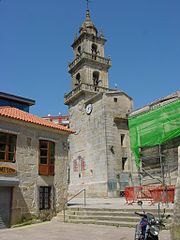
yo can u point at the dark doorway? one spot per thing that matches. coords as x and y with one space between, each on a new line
5 206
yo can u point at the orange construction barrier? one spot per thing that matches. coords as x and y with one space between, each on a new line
129 195
163 194
156 193
137 193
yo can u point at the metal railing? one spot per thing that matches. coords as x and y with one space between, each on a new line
84 197
86 87
94 57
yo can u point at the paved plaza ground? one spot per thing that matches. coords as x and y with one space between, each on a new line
69 231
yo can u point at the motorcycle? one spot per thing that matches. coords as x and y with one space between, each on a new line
149 226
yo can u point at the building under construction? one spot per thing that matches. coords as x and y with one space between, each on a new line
155 137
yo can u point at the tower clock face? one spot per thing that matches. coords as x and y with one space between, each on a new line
89 108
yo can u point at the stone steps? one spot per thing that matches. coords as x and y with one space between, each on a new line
111 217
85 210
106 223
100 213
103 218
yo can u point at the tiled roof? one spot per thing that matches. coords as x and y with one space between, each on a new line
14 113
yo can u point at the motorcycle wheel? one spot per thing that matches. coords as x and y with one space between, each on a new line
138 235
150 237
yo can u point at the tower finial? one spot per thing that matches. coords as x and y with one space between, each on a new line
88 4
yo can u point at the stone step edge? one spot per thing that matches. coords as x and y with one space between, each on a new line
104 216
96 217
100 213
118 210
110 212
110 223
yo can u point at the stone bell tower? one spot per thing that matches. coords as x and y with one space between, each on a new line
89 65
99 150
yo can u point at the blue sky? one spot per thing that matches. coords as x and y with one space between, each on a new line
143 40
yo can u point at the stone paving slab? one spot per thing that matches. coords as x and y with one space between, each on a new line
68 231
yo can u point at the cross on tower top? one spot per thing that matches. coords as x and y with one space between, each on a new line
88 1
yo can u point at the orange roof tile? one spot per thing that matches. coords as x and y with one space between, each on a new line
20 115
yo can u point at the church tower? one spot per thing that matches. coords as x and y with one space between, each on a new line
90 67
99 150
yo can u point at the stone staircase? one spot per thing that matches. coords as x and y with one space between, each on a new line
105 216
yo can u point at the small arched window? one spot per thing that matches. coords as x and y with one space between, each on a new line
94 50
78 79
96 80
79 49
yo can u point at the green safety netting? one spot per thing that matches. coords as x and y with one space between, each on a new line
154 127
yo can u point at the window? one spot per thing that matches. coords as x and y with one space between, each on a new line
46 157
78 79
96 80
94 51
122 139
79 49
7 147
124 160
68 175
44 198
115 99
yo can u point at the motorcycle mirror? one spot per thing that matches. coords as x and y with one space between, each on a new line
168 216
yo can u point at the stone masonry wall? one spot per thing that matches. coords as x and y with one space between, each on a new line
117 106
25 202
93 165
88 150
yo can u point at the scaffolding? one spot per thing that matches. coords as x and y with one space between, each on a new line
154 138
155 127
